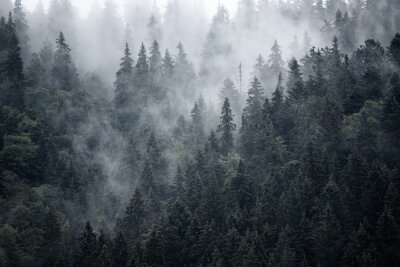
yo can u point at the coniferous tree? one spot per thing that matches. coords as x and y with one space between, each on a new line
64 72
295 85
394 49
227 127
124 81
155 63
230 91
275 62
142 69
21 29
168 65
119 251
87 246
14 92
197 125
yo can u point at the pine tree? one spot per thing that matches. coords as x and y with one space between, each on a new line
119 251
391 116
155 63
183 69
142 68
255 99
213 141
124 81
295 85
387 233
277 95
177 221
259 68
64 72
133 220
21 29
146 177
227 127
197 127
394 49
154 28
275 61
241 189
87 246
168 65
14 94
328 238
230 91
247 13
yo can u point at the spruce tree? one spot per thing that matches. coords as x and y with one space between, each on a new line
168 65
119 251
230 91
14 93
226 127
88 247
155 63
64 72
394 49
134 217
124 81
275 61
142 69
21 29
197 127
295 85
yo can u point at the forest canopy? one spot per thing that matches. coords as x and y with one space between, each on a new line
163 137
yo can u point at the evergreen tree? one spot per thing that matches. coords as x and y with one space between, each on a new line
155 63
124 81
227 127
241 189
119 251
295 85
87 246
168 65
154 28
230 91
146 177
21 29
13 94
64 72
133 220
394 49
275 61
391 116
197 125
142 69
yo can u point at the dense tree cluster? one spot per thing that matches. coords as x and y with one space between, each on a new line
304 173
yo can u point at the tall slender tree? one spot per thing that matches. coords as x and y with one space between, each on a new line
227 127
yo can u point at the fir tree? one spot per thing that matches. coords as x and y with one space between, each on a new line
168 65
64 72
87 246
295 85
227 127
155 62
124 80
275 61
21 29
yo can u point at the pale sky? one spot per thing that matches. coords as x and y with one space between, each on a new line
84 5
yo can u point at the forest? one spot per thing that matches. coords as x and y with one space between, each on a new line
268 136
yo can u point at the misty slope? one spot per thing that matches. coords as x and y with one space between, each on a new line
116 151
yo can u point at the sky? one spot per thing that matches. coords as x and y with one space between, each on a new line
84 5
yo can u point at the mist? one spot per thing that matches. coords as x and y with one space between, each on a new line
199 133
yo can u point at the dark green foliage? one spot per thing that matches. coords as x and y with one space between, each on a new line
227 127
313 179
64 72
